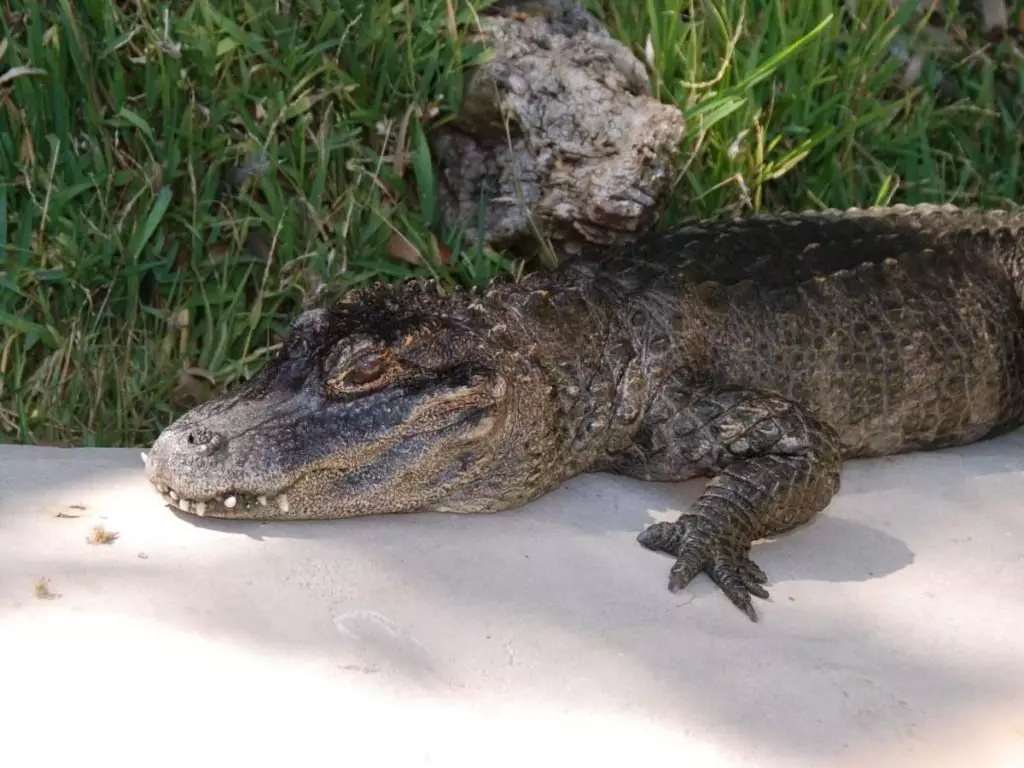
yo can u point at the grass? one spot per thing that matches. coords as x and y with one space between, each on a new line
142 270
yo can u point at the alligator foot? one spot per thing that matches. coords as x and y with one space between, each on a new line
773 466
698 544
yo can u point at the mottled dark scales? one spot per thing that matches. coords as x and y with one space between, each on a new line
775 467
759 353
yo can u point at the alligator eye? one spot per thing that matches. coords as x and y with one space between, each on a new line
364 373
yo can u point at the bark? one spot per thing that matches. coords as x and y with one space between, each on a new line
558 133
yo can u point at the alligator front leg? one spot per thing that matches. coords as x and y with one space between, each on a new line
775 466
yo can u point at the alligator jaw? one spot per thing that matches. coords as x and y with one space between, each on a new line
223 505
226 505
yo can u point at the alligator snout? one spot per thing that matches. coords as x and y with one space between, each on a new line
194 442
182 454
181 450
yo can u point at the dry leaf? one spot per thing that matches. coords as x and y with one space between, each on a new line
201 373
400 248
7 75
100 535
42 590
194 384
400 156
257 111
157 179
181 259
444 253
179 323
27 152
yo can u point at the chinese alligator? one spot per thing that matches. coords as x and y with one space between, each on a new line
760 352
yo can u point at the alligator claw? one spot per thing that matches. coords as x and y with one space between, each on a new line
663 537
702 547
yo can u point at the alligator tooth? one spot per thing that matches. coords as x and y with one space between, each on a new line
174 495
282 503
183 505
262 500
161 488
145 457
200 508
230 502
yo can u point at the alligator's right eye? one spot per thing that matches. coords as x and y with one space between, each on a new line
364 373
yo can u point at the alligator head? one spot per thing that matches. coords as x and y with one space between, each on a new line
390 401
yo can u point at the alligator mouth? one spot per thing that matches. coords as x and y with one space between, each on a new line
249 505
224 505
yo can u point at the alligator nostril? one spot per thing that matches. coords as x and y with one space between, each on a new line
203 440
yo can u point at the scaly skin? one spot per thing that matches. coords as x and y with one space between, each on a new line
761 352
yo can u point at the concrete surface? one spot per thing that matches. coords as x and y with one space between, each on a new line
545 636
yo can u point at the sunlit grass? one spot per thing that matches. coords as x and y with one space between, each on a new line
141 267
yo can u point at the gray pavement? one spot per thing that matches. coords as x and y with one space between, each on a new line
543 636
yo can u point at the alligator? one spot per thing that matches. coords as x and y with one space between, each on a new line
759 352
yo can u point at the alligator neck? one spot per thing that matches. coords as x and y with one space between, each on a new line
568 332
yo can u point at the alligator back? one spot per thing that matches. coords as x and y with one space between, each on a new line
901 327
